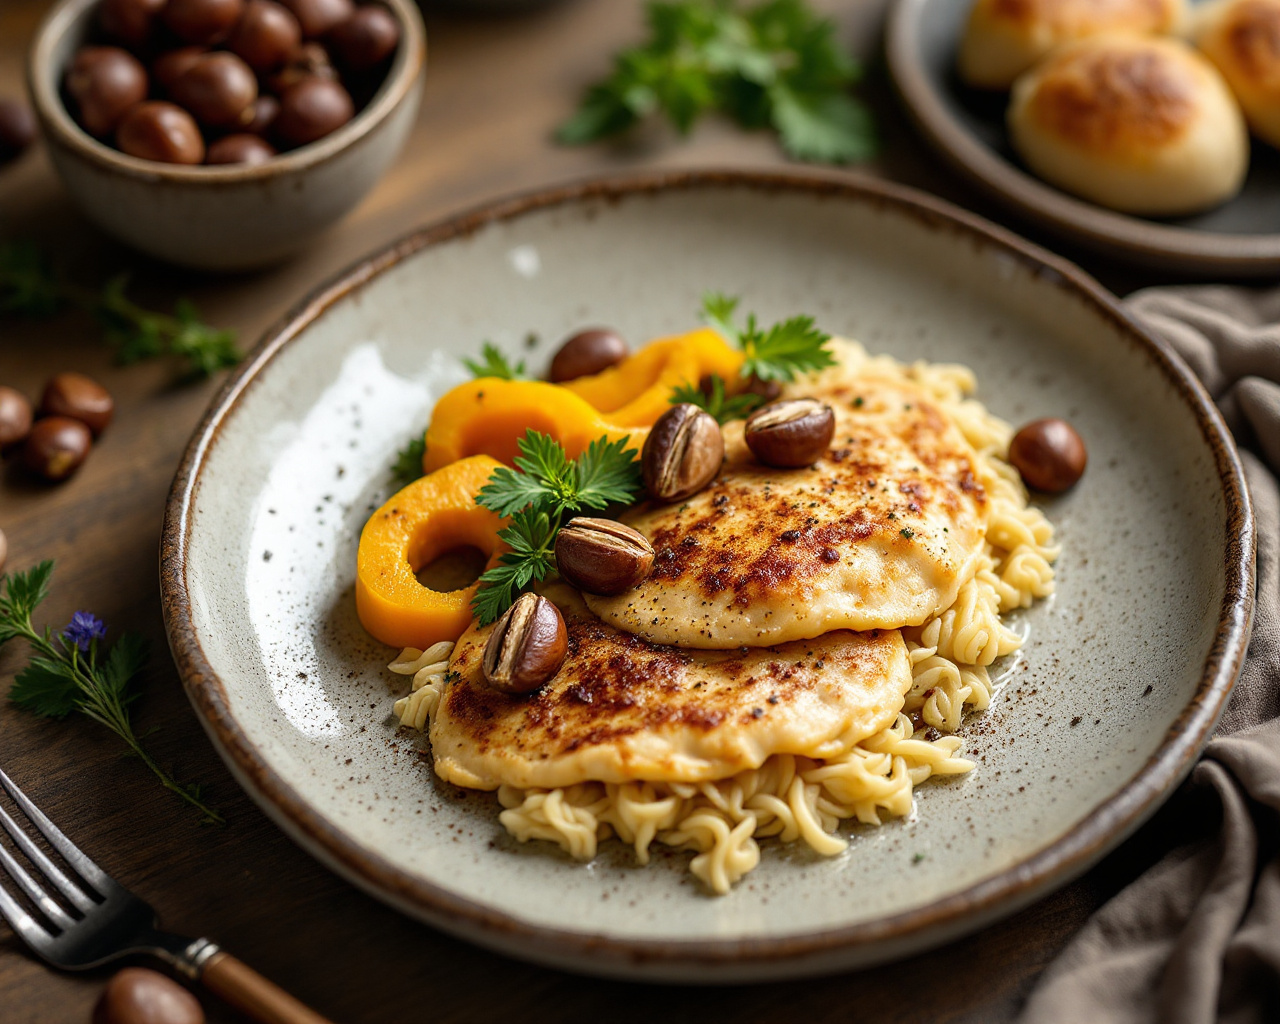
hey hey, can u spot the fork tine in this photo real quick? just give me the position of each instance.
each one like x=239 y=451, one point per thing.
x=48 y=868
x=59 y=917
x=85 y=868
x=23 y=923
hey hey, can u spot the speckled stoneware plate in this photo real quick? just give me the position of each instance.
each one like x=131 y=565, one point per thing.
x=1105 y=710
x=1239 y=238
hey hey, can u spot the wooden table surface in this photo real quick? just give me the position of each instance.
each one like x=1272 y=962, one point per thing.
x=496 y=86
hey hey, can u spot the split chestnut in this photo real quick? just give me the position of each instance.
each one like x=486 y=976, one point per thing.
x=790 y=434
x=601 y=556
x=527 y=646
x=682 y=453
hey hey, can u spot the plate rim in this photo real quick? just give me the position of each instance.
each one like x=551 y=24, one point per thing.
x=1150 y=242
x=698 y=959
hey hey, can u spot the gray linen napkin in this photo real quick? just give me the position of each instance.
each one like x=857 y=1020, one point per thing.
x=1197 y=937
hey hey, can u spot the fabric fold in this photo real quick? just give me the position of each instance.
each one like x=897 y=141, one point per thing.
x=1196 y=937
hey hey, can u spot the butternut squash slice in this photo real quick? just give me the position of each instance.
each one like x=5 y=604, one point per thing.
x=418 y=524
x=638 y=390
x=488 y=416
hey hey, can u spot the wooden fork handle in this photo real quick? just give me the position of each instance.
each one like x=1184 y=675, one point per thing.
x=251 y=993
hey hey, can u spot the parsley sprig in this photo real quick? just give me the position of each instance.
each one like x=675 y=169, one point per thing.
x=779 y=353
x=408 y=465
x=71 y=672
x=493 y=362
x=29 y=286
x=774 y=64
x=544 y=486
x=714 y=401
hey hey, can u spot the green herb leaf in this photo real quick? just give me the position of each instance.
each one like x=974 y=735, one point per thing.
x=535 y=495
x=408 y=465
x=531 y=537
x=47 y=688
x=608 y=472
x=494 y=363
x=784 y=350
x=791 y=347
x=122 y=665
x=825 y=128
x=546 y=478
x=29 y=286
x=20 y=596
x=723 y=409
x=775 y=64
x=64 y=673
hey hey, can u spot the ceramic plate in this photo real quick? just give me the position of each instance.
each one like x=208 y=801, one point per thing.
x=1239 y=238
x=1105 y=710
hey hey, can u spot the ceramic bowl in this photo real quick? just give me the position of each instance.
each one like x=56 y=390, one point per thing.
x=1240 y=238
x=230 y=217
x=1124 y=674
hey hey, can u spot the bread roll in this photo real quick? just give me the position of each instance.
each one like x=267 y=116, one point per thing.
x=1004 y=38
x=1242 y=37
x=1142 y=125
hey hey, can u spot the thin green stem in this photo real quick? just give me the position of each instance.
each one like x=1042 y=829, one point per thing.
x=112 y=715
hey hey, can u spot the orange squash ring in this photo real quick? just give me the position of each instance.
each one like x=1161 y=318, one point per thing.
x=417 y=525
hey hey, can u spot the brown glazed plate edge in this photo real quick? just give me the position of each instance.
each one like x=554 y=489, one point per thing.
x=728 y=959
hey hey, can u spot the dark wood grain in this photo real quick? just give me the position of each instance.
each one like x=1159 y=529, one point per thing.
x=496 y=87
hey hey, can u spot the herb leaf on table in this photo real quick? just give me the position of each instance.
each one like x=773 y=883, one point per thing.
x=69 y=671
x=772 y=65
x=29 y=286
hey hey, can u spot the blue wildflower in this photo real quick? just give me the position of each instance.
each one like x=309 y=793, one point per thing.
x=84 y=627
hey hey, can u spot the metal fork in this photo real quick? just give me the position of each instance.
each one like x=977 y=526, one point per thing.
x=107 y=922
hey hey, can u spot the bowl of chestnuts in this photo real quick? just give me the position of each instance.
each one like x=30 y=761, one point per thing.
x=225 y=134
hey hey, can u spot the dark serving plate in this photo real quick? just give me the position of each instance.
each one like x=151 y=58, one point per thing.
x=1241 y=238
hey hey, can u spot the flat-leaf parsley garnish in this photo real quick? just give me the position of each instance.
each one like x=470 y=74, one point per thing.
x=69 y=671
x=715 y=402
x=493 y=362
x=408 y=465
x=771 y=65
x=779 y=353
x=535 y=495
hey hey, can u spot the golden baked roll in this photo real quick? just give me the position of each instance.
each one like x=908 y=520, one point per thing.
x=1143 y=125
x=1004 y=38
x=1242 y=37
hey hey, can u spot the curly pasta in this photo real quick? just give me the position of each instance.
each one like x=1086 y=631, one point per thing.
x=789 y=797
x=793 y=798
